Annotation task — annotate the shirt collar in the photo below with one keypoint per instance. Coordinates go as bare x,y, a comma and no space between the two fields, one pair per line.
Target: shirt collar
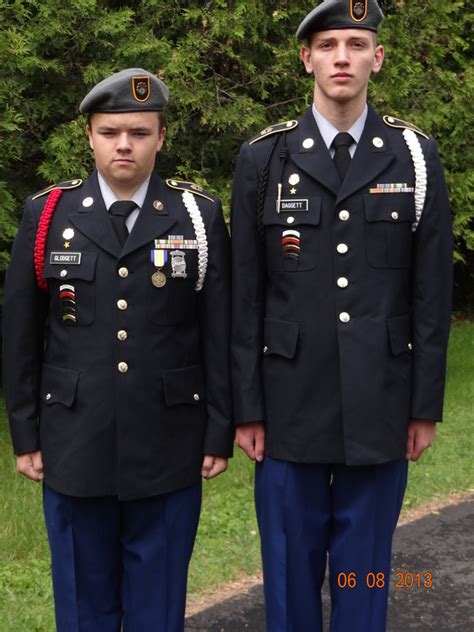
110,197
329,132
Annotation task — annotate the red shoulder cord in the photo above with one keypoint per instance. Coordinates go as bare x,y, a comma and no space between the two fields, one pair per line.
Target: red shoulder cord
42,236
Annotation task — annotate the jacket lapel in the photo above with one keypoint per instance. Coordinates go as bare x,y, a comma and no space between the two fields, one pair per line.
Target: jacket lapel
313,157
373,155
154,218
92,220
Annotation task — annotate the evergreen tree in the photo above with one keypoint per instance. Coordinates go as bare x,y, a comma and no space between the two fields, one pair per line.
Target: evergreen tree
232,67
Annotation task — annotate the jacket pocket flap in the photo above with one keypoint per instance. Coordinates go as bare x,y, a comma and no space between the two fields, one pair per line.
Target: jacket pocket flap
184,386
280,337
58,386
311,215
80,265
399,331
390,207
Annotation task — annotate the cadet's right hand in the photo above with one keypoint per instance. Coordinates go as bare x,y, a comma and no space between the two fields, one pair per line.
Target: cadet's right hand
251,439
30,465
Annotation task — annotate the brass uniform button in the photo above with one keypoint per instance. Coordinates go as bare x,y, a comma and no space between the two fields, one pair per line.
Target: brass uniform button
196,397
122,335
342,282
122,304
395,215
63,274
344,215
123,367
344,317
342,249
123,272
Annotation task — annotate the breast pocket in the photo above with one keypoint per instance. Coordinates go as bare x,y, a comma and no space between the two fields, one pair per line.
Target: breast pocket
292,238
172,297
72,286
388,229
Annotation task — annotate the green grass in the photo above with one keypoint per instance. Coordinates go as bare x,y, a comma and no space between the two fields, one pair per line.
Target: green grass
227,545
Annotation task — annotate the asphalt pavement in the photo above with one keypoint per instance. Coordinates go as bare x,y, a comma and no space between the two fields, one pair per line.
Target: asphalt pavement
441,543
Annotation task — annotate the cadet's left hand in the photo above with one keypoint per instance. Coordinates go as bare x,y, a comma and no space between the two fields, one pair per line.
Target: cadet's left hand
421,434
213,466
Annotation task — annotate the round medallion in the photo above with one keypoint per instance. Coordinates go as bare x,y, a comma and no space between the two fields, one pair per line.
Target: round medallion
68,233
88,201
158,279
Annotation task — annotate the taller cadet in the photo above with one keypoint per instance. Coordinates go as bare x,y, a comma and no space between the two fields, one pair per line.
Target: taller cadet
342,265
117,319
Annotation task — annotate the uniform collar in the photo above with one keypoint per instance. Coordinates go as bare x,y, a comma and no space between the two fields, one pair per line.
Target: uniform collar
110,197
329,132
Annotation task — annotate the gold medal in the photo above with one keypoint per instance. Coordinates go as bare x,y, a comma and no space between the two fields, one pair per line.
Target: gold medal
158,279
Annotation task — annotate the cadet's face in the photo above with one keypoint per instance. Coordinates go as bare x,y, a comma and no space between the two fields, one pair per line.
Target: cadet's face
125,146
342,61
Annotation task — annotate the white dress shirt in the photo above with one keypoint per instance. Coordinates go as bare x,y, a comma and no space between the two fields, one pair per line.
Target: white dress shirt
329,132
138,197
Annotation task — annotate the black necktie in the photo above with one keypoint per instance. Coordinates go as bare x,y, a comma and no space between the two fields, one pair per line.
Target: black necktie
342,157
119,211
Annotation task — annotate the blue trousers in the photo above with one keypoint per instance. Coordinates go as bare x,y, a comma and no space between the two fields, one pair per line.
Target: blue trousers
121,563
309,515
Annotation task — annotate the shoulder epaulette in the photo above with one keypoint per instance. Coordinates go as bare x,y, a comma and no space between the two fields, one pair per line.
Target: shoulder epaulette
182,185
69,184
274,129
391,121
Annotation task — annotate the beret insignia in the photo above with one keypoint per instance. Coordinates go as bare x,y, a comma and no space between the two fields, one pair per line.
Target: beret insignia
141,88
182,185
63,186
274,129
358,10
391,121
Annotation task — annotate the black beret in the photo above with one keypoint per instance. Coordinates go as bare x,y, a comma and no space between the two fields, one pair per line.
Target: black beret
341,14
131,90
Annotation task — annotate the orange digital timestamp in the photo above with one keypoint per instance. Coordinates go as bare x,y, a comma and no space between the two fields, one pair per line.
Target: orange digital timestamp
378,580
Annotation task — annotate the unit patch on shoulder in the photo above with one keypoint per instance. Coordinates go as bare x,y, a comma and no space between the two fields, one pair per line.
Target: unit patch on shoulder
287,126
69,184
391,121
182,185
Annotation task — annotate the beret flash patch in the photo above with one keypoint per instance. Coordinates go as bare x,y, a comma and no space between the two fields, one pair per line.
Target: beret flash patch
358,10
141,89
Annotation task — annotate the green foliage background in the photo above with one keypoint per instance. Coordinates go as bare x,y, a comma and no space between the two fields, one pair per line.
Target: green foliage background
232,67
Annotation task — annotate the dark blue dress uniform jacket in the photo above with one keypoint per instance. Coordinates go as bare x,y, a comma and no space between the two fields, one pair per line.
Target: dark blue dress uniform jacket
338,349
102,432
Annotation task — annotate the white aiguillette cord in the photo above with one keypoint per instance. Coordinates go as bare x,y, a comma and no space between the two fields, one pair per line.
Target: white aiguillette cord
421,176
203,252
